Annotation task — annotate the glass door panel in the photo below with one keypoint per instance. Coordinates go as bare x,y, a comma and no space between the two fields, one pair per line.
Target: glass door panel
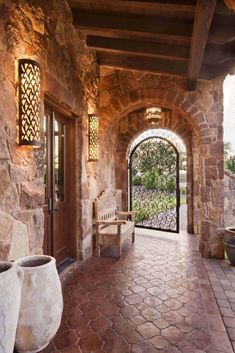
59,134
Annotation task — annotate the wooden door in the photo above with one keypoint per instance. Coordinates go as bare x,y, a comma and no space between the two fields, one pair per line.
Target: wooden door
58,209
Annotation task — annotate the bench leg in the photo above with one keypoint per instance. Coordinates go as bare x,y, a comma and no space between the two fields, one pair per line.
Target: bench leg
98,250
119,250
133,236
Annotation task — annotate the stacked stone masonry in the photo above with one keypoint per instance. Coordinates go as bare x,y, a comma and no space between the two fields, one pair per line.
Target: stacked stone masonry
196,117
229,199
43,31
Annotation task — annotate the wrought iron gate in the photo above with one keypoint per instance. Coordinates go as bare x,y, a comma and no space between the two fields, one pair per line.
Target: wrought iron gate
154,184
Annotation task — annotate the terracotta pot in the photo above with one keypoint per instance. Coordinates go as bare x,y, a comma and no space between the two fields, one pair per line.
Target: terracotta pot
229,244
41,303
11,279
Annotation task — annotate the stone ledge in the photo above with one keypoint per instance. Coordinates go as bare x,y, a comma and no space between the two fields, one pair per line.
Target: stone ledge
69,271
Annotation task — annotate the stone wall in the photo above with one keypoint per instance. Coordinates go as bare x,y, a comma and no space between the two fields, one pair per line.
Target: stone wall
43,31
96,177
229,194
123,92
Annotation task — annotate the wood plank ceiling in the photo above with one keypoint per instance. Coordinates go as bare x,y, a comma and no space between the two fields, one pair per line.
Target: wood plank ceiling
190,38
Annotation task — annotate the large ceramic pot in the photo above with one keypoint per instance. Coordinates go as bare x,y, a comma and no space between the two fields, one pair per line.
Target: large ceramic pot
41,304
229,244
11,279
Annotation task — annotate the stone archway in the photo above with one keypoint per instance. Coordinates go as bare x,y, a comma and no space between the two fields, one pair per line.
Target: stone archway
200,114
123,104
129,127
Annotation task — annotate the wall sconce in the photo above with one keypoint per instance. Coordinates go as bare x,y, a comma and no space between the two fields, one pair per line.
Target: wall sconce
93,137
29,102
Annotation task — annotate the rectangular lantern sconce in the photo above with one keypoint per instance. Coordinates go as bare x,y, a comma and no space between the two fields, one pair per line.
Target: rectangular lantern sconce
93,137
29,102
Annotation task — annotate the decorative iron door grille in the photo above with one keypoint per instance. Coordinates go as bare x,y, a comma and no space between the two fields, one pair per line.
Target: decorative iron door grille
154,184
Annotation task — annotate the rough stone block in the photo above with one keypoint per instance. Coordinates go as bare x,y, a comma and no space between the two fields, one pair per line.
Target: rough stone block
205,194
4,179
232,183
211,172
35,230
217,149
218,196
19,241
32,195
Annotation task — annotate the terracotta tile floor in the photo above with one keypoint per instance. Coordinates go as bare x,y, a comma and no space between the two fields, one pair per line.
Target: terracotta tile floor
156,298
222,278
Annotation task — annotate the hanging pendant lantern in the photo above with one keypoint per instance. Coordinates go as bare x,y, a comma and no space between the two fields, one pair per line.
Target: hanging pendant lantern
153,115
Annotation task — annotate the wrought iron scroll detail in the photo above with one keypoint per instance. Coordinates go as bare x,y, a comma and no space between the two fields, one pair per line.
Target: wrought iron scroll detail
29,102
154,184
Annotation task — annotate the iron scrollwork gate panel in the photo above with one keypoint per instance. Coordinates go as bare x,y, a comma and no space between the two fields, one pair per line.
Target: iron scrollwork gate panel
154,184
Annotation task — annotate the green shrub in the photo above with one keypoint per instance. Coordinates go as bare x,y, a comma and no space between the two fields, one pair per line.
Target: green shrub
230,164
171,185
136,180
152,181
141,215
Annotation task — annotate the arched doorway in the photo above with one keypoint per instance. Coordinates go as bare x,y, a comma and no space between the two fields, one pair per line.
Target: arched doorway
191,119
154,184
171,202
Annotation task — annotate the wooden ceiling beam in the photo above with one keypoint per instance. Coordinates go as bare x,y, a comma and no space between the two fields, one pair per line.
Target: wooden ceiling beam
142,48
144,25
140,36
154,65
202,22
152,8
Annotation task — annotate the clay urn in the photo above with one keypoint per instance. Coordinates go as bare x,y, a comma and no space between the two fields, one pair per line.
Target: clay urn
229,244
41,303
11,279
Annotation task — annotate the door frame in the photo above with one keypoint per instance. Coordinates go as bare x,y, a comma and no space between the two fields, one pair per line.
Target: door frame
51,104
177,183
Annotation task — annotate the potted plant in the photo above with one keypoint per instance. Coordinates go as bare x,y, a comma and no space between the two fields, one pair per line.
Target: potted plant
41,303
229,244
11,279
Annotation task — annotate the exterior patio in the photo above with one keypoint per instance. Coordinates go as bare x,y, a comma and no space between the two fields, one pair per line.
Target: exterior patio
77,79
156,298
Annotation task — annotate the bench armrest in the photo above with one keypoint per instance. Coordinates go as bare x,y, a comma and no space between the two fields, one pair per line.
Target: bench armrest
115,222
127,213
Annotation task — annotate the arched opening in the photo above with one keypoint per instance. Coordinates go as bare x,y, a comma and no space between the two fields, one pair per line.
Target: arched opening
131,126
229,150
204,145
157,177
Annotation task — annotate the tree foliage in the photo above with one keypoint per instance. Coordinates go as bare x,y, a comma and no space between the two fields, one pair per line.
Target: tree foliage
229,158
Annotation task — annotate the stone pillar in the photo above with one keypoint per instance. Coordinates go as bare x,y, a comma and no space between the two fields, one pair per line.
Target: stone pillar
212,196
189,195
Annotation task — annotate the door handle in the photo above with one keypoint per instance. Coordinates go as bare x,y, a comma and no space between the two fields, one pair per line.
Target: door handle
50,209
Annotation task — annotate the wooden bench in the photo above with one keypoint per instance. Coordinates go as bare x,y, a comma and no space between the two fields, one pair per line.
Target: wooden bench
113,227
